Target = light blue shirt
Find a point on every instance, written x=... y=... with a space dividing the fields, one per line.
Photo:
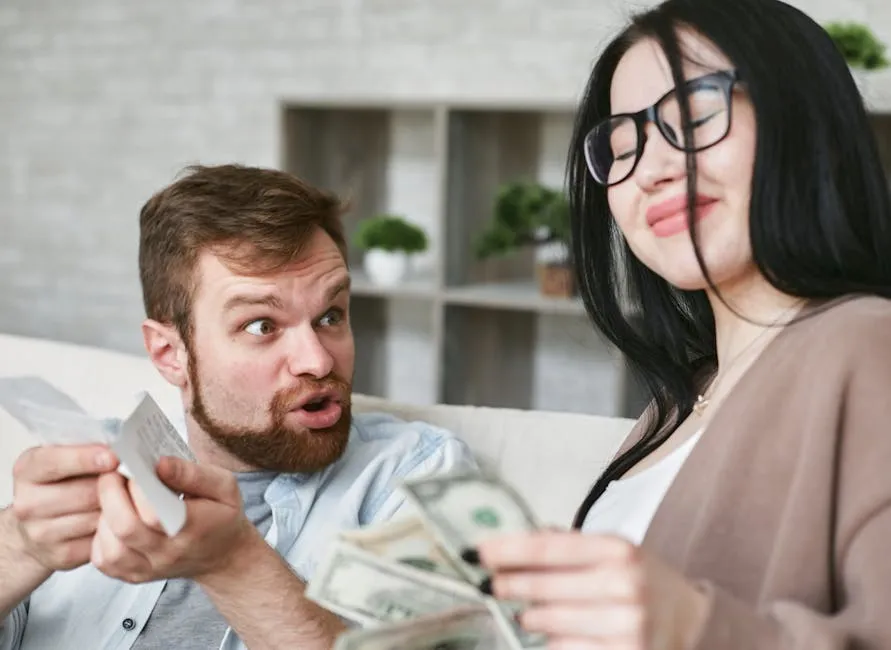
x=84 y=608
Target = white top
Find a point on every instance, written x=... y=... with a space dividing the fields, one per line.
x=628 y=505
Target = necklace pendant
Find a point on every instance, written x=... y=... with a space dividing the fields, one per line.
x=700 y=405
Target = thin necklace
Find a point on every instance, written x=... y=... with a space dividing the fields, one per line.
x=704 y=399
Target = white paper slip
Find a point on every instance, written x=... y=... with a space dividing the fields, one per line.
x=144 y=437
x=155 y=431
x=51 y=415
x=139 y=440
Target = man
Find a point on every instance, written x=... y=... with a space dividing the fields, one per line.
x=246 y=289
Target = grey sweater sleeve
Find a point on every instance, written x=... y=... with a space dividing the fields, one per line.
x=12 y=629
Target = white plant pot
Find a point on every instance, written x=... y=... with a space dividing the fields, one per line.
x=385 y=268
x=553 y=253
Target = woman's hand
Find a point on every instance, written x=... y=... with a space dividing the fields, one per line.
x=591 y=591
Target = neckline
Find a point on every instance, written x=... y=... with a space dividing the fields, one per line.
x=690 y=442
x=660 y=527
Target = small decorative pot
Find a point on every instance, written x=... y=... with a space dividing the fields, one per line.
x=554 y=272
x=556 y=280
x=385 y=268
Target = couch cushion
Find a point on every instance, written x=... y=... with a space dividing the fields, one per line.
x=551 y=458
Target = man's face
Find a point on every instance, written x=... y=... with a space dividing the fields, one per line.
x=271 y=360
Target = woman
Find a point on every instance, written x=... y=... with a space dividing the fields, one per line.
x=724 y=177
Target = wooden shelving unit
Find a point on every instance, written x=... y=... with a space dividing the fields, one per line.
x=462 y=331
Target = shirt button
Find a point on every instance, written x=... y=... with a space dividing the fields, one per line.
x=128 y=624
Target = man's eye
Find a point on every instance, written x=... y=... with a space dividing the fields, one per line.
x=333 y=317
x=260 y=327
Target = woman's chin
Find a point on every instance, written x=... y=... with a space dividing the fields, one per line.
x=689 y=283
x=684 y=276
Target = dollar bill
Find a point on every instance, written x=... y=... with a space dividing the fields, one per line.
x=463 y=510
x=395 y=574
x=406 y=541
x=369 y=590
x=463 y=628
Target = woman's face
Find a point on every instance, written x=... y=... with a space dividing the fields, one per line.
x=650 y=206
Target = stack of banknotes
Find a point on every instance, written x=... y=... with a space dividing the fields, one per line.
x=405 y=584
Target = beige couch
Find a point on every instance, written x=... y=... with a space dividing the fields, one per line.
x=551 y=458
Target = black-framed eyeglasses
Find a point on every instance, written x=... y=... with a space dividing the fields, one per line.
x=614 y=146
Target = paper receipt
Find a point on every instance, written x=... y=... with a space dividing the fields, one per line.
x=139 y=440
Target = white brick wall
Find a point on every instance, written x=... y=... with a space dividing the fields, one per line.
x=102 y=101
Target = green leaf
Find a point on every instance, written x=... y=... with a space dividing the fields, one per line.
x=858 y=45
x=524 y=213
x=391 y=233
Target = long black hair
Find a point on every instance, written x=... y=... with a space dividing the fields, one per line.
x=820 y=215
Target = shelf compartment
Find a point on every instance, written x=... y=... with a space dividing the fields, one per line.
x=416 y=286
x=516 y=295
x=488 y=360
x=381 y=160
x=391 y=336
x=523 y=359
x=485 y=150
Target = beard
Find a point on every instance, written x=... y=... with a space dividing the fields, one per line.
x=278 y=446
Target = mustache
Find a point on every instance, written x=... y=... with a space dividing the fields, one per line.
x=286 y=399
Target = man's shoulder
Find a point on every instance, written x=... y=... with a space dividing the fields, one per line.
x=362 y=487
x=385 y=429
x=392 y=444
x=384 y=450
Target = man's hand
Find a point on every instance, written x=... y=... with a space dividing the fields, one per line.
x=130 y=544
x=254 y=589
x=56 y=502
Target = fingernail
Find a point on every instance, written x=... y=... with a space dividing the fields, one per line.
x=471 y=556
x=486 y=586
x=102 y=460
x=168 y=465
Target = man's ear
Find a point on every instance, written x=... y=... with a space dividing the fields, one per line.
x=167 y=351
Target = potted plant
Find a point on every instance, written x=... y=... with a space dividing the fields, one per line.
x=530 y=214
x=858 y=44
x=388 y=240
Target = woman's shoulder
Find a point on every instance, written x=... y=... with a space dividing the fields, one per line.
x=841 y=338
x=851 y=322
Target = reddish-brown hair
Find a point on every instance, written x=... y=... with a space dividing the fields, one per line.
x=258 y=220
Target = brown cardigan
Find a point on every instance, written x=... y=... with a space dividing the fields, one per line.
x=783 y=510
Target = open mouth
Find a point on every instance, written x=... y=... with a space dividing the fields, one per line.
x=316 y=405
x=319 y=412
